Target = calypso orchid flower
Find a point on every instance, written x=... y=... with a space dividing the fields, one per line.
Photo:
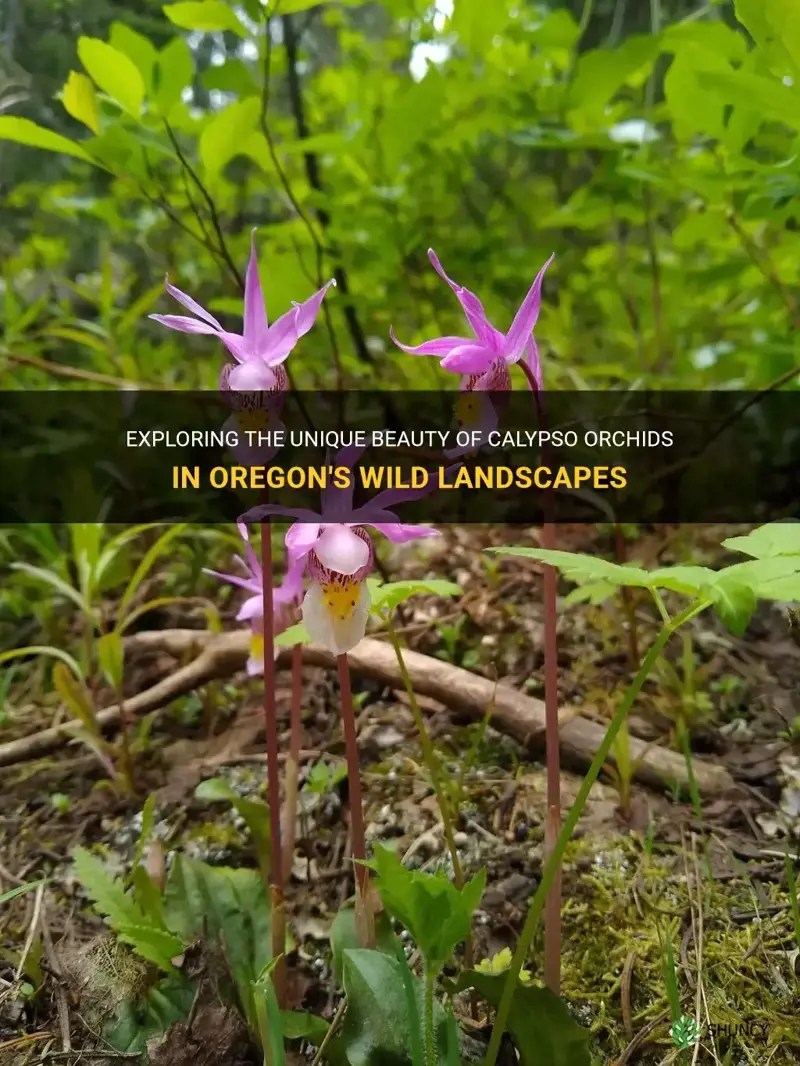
x=483 y=361
x=260 y=349
x=335 y=549
x=252 y=610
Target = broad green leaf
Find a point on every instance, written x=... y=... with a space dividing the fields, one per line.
x=775 y=538
x=210 y=16
x=430 y=907
x=254 y=811
x=773 y=25
x=542 y=1028
x=23 y=131
x=734 y=602
x=777 y=102
x=376 y=1029
x=595 y=592
x=111 y=657
x=114 y=73
x=477 y=22
x=386 y=597
x=80 y=100
x=138 y=48
x=223 y=137
x=582 y=568
x=175 y=71
x=137 y=1021
x=156 y=945
x=76 y=696
x=601 y=73
x=46 y=650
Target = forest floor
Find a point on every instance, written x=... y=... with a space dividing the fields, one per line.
x=707 y=886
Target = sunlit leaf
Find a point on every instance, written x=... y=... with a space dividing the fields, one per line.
x=23 y=131
x=207 y=15
x=80 y=100
x=113 y=72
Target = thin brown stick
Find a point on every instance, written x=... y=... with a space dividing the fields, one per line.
x=278 y=915
x=292 y=768
x=365 y=918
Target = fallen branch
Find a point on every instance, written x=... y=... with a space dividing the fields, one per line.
x=519 y=716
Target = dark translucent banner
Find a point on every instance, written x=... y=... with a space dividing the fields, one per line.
x=574 y=457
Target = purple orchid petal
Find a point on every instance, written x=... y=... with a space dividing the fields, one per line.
x=249 y=584
x=469 y=359
x=471 y=305
x=252 y=375
x=341 y=550
x=185 y=325
x=301 y=538
x=191 y=305
x=438 y=346
x=530 y=356
x=400 y=533
x=337 y=503
x=284 y=334
x=525 y=319
x=291 y=588
x=251 y=608
x=255 y=313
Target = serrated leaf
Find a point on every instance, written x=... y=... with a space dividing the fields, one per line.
x=80 y=100
x=156 y=945
x=106 y=892
x=386 y=597
x=209 y=16
x=114 y=73
x=23 y=131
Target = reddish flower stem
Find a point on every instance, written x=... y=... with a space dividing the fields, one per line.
x=365 y=918
x=552 y=824
x=278 y=911
x=293 y=763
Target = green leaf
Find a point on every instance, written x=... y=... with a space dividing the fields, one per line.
x=175 y=72
x=111 y=656
x=386 y=597
x=775 y=538
x=777 y=102
x=773 y=25
x=23 y=131
x=344 y=936
x=43 y=649
x=541 y=1026
x=114 y=73
x=582 y=568
x=146 y=565
x=601 y=73
x=430 y=907
x=210 y=16
x=12 y=893
x=76 y=696
x=254 y=811
x=139 y=49
x=224 y=136
x=734 y=602
x=167 y=1002
x=296 y=634
x=376 y=1029
x=80 y=100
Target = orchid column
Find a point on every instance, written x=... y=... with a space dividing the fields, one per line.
x=259 y=352
x=484 y=363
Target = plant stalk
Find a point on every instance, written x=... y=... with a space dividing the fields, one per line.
x=292 y=772
x=430 y=1039
x=552 y=823
x=552 y=865
x=278 y=912
x=365 y=917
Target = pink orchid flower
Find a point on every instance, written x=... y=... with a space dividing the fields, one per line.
x=483 y=361
x=336 y=550
x=260 y=349
x=252 y=610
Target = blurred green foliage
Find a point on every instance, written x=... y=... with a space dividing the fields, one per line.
x=653 y=147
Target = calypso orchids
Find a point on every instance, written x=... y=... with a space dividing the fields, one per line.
x=259 y=350
x=483 y=361
x=334 y=548
x=252 y=610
